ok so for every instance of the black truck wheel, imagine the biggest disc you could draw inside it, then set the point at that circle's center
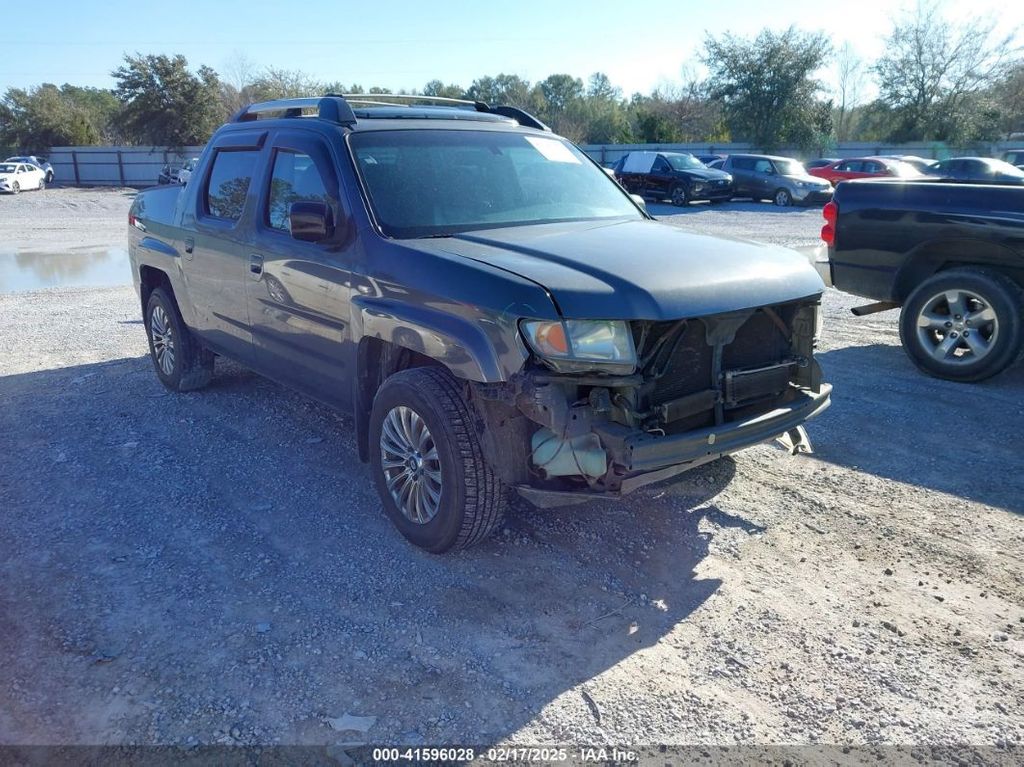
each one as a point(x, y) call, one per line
point(680, 195)
point(181, 362)
point(964, 324)
point(428, 465)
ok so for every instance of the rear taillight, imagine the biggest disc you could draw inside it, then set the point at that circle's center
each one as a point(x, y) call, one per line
point(831, 213)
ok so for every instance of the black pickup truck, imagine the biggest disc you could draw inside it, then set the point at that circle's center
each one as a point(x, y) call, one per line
point(950, 254)
point(492, 308)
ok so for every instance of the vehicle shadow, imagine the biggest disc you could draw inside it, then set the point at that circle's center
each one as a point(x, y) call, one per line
point(889, 419)
point(222, 555)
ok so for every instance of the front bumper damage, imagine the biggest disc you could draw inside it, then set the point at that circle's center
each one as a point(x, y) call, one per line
point(651, 458)
point(709, 387)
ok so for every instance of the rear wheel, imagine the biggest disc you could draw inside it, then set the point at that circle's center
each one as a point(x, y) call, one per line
point(427, 462)
point(181, 362)
point(964, 324)
point(680, 195)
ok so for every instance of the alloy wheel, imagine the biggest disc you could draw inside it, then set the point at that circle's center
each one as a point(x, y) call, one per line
point(957, 327)
point(163, 339)
point(411, 464)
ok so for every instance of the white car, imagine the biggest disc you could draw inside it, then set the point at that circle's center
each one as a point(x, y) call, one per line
point(15, 176)
point(39, 162)
point(186, 171)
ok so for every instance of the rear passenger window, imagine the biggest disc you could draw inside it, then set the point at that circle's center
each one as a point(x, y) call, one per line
point(295, 179)
point(229, 183)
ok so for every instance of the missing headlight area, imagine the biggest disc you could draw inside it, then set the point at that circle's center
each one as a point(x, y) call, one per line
point(702, 387)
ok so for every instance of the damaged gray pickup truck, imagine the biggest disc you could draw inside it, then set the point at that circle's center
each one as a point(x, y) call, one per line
point(496, 312)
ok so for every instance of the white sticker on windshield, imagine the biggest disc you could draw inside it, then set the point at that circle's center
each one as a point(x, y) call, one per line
point(552, 149)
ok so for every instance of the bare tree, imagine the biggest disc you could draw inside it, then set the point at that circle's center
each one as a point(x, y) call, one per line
point(850, 73)
point(237, 75)
point(932, 68)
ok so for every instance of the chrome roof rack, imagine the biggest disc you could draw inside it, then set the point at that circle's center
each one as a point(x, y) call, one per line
point(337, 108)
point(331, 108)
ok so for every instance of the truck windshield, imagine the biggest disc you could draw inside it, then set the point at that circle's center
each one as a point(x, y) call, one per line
point(426, 183)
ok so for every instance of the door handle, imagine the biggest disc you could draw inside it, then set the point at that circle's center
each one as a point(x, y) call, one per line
point(190, 245)
point(255, 266)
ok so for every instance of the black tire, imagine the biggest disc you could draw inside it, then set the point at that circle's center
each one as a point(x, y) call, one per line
point(782, 198)
point(42, 184)
point(472, 499)
point(191, 365)
point(680, 195)
point(927, 335)
point(15, 188)
point(49, 176)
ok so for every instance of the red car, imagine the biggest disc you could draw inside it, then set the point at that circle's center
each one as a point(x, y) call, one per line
point(864, 167)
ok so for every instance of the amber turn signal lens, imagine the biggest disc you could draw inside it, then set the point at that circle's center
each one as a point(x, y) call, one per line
point(551, 337)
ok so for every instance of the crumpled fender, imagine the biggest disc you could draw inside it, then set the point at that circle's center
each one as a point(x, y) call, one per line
point(473, 349)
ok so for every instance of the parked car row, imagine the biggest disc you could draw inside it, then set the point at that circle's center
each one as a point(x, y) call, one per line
point(682, 178)
point(171, 175)
point(18, 174)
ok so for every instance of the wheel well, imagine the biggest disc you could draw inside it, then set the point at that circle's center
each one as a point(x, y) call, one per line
point(935, 257)
point(149, 280)
point(376, 360)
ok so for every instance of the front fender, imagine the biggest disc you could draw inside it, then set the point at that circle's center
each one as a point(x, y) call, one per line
point(479, 349)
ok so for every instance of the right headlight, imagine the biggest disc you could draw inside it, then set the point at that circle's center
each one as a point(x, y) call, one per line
point(572, 346)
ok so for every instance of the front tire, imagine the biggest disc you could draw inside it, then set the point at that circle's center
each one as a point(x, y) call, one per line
point(15, 188)
point(42, 184)
point(428, 464)
point(782, 198)
point(964, 324)
point(49, 176)
point(680, 195)
point(181, 362)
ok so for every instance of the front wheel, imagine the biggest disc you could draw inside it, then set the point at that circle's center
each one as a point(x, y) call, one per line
point(964, 324)
point(42, 184)
point(680, 196)
point(15, 187)
point(782, 198)
point(428, 464)
point(49, 176)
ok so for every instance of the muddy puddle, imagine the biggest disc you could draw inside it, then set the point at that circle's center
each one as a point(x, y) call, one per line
point(22, 270)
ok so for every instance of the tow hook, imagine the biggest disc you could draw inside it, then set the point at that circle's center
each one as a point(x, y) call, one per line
point(796, 441)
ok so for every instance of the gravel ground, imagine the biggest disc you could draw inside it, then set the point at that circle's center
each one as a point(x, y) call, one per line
point(214, 567)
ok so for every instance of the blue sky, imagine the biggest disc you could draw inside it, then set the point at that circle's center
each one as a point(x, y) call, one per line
point(402, 44)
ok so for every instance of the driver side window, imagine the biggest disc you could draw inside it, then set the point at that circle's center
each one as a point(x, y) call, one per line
point(295, 178)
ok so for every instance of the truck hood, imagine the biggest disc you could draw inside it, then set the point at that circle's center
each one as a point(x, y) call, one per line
point(637, 270)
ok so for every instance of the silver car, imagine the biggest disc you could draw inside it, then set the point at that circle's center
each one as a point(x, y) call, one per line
point(782, 180)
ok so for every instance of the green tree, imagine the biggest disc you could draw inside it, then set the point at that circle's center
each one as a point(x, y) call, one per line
point(164, 103)
point(38, 118)
point(766, 85)
point(932, 71)
point(511, 90)
point(438, 88)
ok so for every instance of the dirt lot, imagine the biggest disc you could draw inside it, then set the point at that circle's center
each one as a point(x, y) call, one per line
point(215, 568)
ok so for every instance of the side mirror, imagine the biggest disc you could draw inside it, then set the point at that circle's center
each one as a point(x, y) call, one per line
point(639, 201)
point(311, 221)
